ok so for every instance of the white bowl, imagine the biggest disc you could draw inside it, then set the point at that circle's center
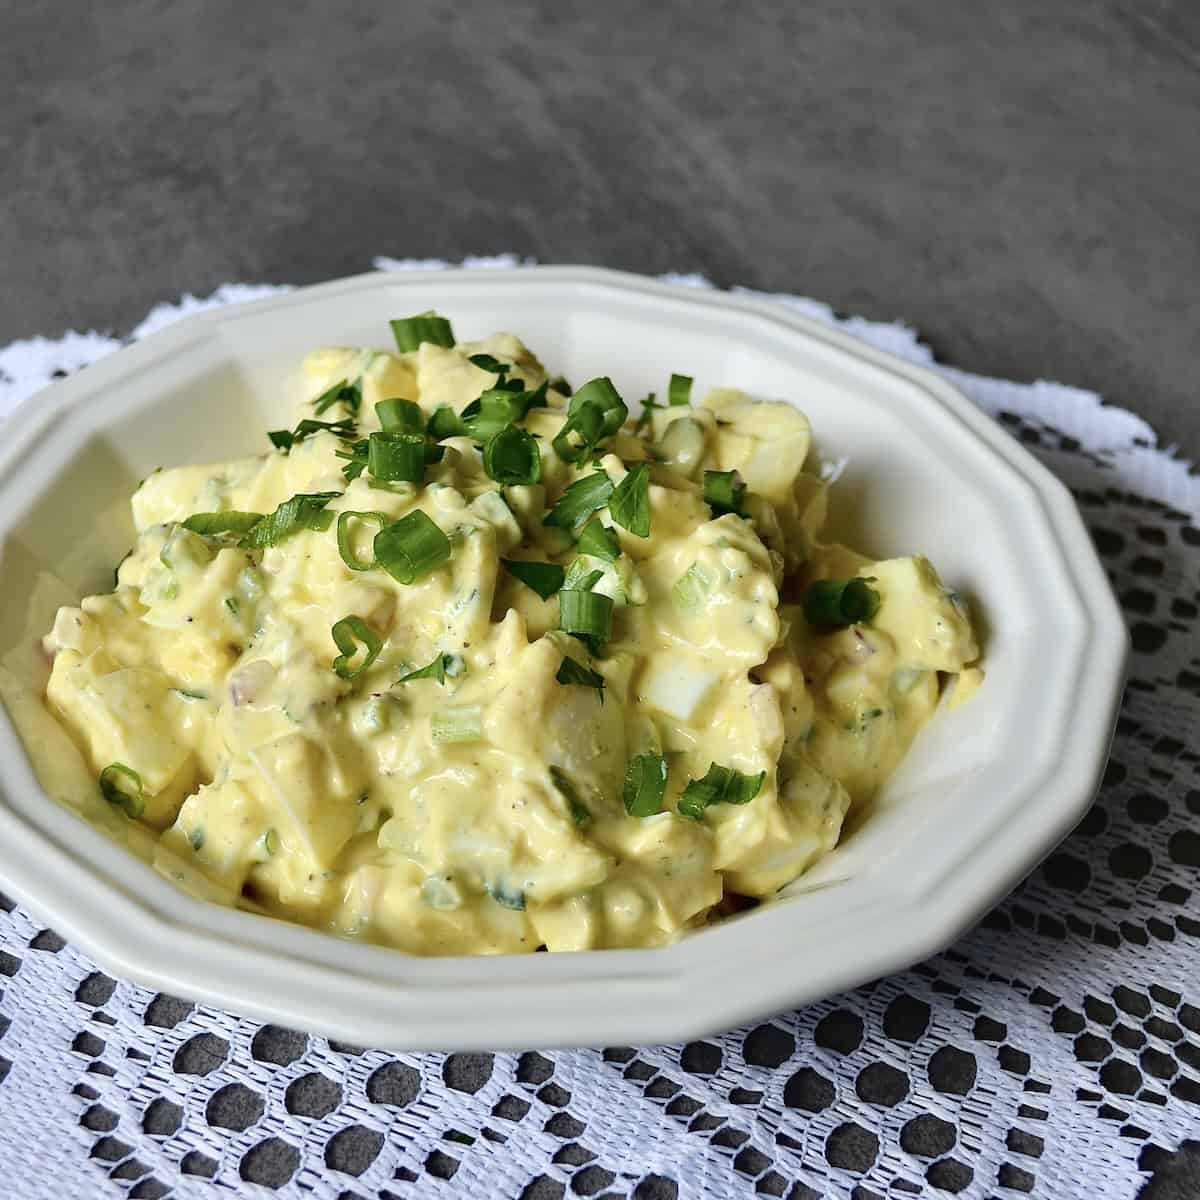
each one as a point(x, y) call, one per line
point(986, 792)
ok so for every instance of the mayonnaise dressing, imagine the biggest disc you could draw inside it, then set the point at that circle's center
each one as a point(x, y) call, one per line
point(486, 813)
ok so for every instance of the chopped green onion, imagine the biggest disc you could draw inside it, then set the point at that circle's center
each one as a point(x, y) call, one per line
point(410, 332)
point(122, 786)
point(581, 815)
point(579, 501)
point(587, 616)
point(345, 537)
point(195, 838)
point(724, 491)
point(581, 579)
point(411, 547)
point(644, 417)
point(445, 423)
point(284, 440)
point(269, 843)
point(840, 602)
point(302, 511)
point(599, 541)
point(583, 574)
point(499, 407)
point(462, 724)
point(543, 578)
point(691, 589)
point(213, 523)
point(683, 444)
point(400, 416)
point(721, 785)
point(435, 670)
point(512, 457)
point(645, 785)
point(596, 411)
point(348, 634)
point(570, 671)
point(485, 362)
point(679, 391)
point(630, 503)
point(396, 457)
point(349, 394)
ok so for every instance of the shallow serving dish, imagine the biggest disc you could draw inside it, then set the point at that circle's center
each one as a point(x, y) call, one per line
point(987, 790)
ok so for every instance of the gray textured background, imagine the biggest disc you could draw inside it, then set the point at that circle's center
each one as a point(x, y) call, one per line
point(1020, 181)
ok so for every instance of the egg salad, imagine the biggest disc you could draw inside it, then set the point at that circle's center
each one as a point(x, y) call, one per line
point(470, 662)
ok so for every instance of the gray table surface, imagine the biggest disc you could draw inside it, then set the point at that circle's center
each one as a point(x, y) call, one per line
point(1019, 181)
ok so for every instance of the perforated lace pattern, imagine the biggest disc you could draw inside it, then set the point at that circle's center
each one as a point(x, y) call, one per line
point(1055, 1050)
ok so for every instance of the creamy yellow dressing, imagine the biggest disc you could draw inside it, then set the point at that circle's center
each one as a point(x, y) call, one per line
point(270, 781)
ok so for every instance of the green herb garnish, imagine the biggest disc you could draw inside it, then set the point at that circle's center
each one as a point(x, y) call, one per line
point(434, 670)
point(122, 786)
point(595, 412)
point(645, 785)
point(679, 390)
point(570, 671)
point(599, 541)
point(512, 457)
point(587, 616)
point(215, 523)
point(543, 578)
point(721, 785)
point(445, 423)
point(499, 407)
point(840, 602)
point(645, 416)
point(349, 394)
point(579, 501)
point(396, 457)
point(411, 547)
point(581, 815)
point(724, 491)
point(283, 439)
point(348, 634)
point(692, 588)
point(410, 332)
point(485, 362)
point(400, 416)
point(302, 511)
point(345, 537)
point(630, 503)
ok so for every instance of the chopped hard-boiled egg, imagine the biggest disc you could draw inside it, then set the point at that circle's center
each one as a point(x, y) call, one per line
point(474, 663)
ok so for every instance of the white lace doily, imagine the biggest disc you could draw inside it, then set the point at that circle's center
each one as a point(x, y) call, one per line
point(1054, 1051)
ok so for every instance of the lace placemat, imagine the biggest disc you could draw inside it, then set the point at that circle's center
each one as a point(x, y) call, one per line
point(1054, 1051)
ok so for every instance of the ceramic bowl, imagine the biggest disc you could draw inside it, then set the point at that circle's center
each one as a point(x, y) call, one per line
point(986, 792)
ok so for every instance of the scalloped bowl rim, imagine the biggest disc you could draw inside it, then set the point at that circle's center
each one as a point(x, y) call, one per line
point(137, 924)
